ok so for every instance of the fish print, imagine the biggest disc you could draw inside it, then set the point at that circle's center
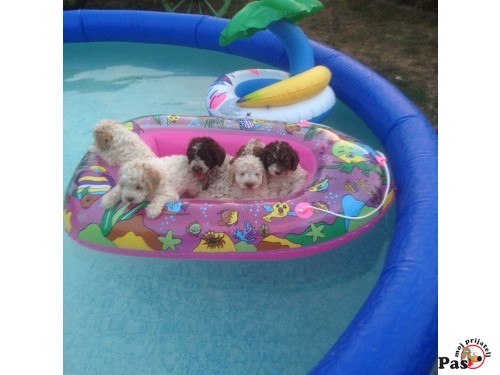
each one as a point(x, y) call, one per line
point(249, 124)
point(320, 186)
point(228, 218)
point(92, 183)
point(277, 211)
point(194, 229)
point(175, 208)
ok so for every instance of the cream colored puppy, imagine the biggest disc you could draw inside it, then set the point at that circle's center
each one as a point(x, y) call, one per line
point(116, 145)
point(247, 178)
point(157, 180)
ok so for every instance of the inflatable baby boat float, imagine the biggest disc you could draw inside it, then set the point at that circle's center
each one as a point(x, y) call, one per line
point(347, 191)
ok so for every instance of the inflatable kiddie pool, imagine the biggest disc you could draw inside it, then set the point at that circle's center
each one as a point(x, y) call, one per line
point(347, 192)
point(395, 331)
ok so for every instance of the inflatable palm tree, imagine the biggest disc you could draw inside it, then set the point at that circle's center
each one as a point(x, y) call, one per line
point(279, 16)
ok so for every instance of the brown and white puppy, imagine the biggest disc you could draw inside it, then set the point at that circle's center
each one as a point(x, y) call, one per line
point(116, 145)
point(158, 180)
point(285, 175)
point(206, 157)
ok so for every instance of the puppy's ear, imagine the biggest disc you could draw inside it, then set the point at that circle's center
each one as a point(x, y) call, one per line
point(294, 160)
point(292, 156)
point(103, 138)
point(151, 177)
point(240, 152)
point(257, 151)
point(220, 154)
point(265, 156)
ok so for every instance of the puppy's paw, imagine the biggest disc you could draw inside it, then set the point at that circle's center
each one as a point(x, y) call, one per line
point(154, 208)
point(192, 192)
point(110, 199)
point(153, 211)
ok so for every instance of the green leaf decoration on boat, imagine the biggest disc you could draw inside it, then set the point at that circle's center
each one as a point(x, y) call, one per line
point(349, 167)
point(114, 214)
point(312, 132)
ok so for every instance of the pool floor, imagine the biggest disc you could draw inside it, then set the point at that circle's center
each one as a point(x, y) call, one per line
point(129, 315)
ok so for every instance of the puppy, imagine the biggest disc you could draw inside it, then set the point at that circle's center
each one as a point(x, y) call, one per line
point(157, 180)
point(210, 164)
point(239, 177)
point(285, 175)
point(247, 178)
point(206, 157)
point(116, 145)
point(217, 185)
point(253, 147)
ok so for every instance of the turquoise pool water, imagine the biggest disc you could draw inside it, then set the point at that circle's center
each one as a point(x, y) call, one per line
point(127, 315)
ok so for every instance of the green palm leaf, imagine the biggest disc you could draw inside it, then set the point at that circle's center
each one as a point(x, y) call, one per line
point(107, 220)
point(133, 211)
point(257, 15)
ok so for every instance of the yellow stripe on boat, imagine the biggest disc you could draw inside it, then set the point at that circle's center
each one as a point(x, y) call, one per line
point(93, 178)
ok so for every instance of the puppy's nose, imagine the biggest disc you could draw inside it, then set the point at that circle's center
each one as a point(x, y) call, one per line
point(249, 184)
point(129, 199)
point(479, 358)
point(196, 169)
point(277, 173)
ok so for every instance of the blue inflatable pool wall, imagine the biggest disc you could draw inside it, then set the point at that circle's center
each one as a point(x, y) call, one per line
point(395, 332)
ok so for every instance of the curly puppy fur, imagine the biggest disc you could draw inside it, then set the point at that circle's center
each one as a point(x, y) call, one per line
point(204, 156)
point(217, 185)
point(116, 145)
point(285, 175)
point(253, 147)
point(241, 177)
point(247, 178)
point(158, 180)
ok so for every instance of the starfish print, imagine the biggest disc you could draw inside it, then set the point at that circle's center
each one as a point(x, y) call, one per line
point(316, 232)
point(169, 242)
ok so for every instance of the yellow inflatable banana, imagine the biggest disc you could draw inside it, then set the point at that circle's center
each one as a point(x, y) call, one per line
point(291, 90)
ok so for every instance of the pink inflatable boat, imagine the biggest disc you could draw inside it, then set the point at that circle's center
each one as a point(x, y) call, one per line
point(348, 191)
